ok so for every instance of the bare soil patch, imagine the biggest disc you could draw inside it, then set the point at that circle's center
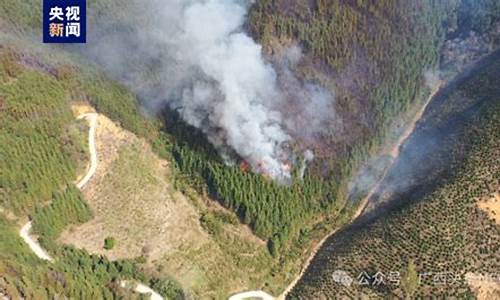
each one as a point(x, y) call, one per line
point(484, 288)
point(491, 205)
point(132, 201)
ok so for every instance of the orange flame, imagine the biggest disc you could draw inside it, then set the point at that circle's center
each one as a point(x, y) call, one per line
point(245, 167)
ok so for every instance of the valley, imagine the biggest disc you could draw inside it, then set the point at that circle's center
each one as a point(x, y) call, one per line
point(422, 200)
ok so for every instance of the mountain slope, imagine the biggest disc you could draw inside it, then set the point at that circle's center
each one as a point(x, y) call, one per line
point(436, 224)
point(373, 55)
point(40, 153)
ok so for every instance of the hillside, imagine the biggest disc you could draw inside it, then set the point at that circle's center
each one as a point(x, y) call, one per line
point(437, 224)
point(46, 148)
point(200, 244)
point(183, 237)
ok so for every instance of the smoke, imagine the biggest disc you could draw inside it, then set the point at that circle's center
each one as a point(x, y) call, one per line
point(374, 172)
point(432, 78)
point(309, 105)
point(242, 84)
point(195, 57)
point(308, 157)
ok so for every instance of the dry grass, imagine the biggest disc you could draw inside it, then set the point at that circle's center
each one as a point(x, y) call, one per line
point(484, 289)
point(81, 108)
point(134, 202)
point(9, 215)
point(491, 205)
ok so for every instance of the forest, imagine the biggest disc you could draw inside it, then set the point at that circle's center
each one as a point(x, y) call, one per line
point(328, 35)
point(36, 179)
point(441, 231)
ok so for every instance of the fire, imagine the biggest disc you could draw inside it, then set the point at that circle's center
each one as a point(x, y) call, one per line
point(245, 167)
point(262, 168)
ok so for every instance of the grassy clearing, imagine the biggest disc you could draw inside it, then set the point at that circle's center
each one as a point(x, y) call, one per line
point(133, 202)
point(42, 148)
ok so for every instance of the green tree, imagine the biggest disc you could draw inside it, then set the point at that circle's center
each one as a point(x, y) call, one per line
point(409, 281)
point(109, 243)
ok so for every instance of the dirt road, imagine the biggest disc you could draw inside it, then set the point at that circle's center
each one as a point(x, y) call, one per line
point(92, 119)
point(35, 246)
point(251, 295)
point(393, 152)
point(24, 232)
point(141, 289)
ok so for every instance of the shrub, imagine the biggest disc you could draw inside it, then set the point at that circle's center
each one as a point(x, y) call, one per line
point(211, 223)
point(109, 243)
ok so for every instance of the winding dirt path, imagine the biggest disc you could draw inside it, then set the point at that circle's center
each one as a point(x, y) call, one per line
point(25, 230)
point(252, 294)
point(141, 289)
point(393, 152)
point(92, 119)
point(316, 248)
point(411, 126)
point(35, 246)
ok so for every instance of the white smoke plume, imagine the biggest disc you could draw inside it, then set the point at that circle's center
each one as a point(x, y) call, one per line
point(432, 78)
point(209, 70)
point(308, 157)
point(244, 83)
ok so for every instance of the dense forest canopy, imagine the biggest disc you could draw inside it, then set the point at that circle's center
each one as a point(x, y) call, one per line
point(437, 225)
